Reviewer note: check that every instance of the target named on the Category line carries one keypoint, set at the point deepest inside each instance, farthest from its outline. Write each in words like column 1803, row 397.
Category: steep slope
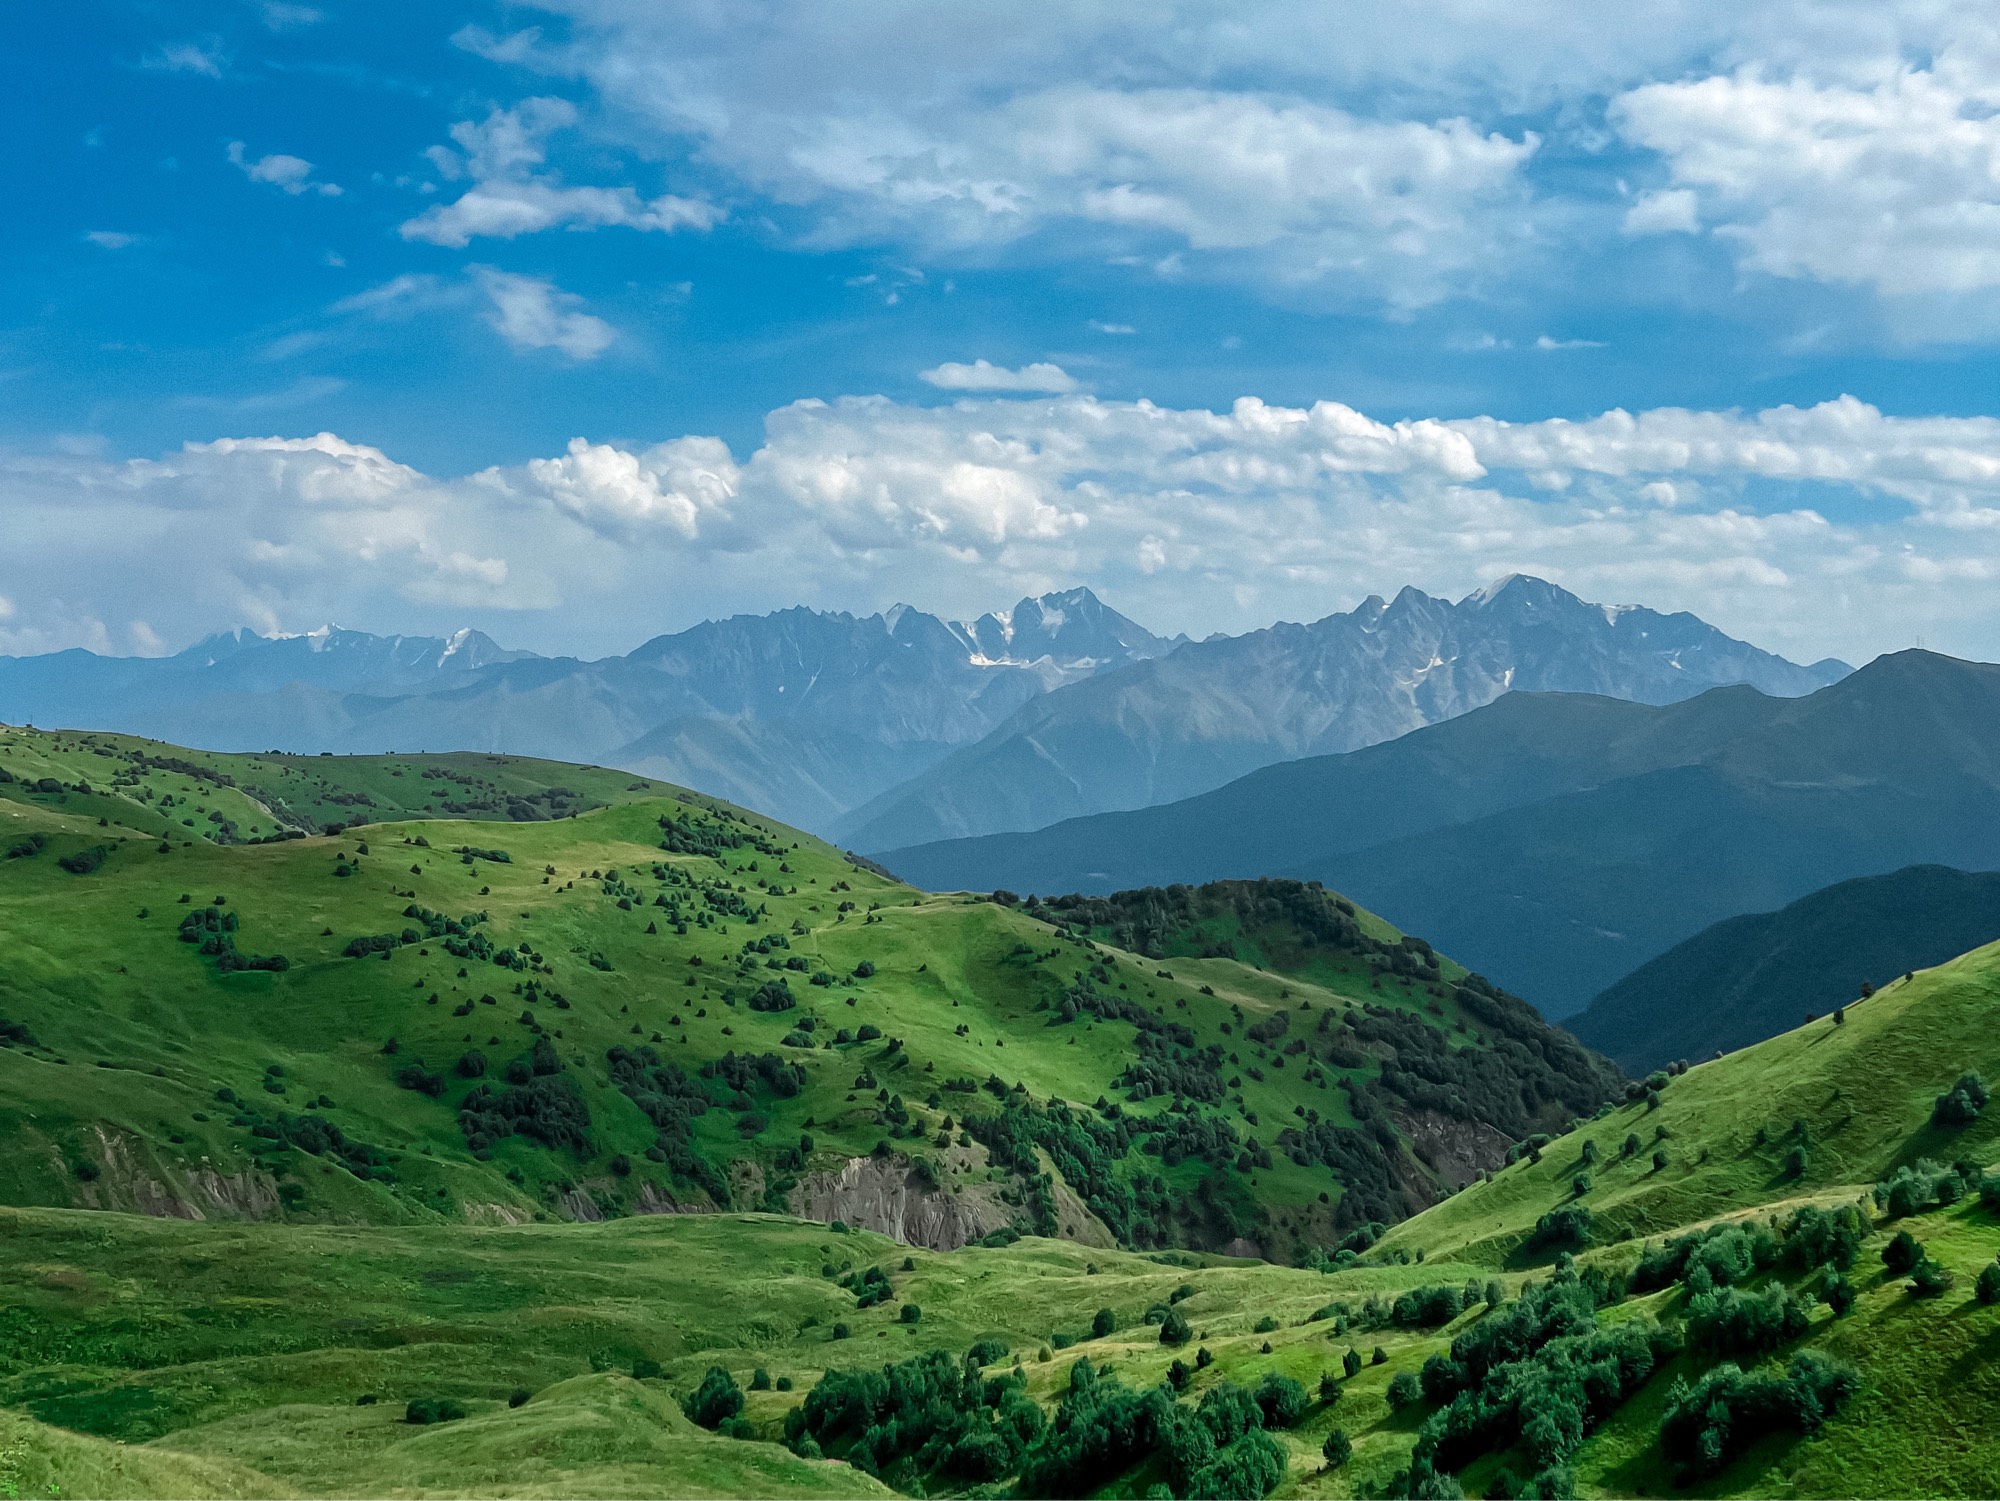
column 864, row 702
column 1556, row 844
column 1752, row 977
column 1195, row 719
column 633, row 999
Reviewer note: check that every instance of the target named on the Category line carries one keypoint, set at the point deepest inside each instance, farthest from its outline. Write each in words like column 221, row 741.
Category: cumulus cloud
column 533, row 314
column 1892, row 183
column 511, row 195
column 678, row 489
column 1189, row 519
column 981, row 375
column 292, row 174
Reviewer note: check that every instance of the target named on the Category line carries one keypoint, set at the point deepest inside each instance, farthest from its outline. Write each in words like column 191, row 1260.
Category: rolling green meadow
column 1122, row 1162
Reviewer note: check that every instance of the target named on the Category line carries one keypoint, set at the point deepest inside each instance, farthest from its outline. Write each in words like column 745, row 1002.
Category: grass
column 226, row 1356
column 117, row 1108
column 251, row 1342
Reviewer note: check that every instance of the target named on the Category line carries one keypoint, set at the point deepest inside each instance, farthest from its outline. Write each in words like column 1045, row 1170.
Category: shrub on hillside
column 1565, row 1228
column 1960, row 1105
column 82, row 862
column 717, row 1397
column 424, row 1410
column 1902, row 1253
column 1281, row 1399
column 1930, row 1280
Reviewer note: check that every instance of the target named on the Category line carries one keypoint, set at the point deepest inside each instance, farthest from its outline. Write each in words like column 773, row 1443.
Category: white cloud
column 291, row 173
column 282, row 15
column 510, row 196
column 204, row 58
column 533, row 314
column 672, row 489
column 109, row 239
column 1111, row 328
column 1547, row 343
column 1188, row 519
column 1664, row 212
column 981, row 375
column 1892, row 182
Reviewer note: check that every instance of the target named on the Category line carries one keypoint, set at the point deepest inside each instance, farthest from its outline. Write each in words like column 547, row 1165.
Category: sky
column 586, row 320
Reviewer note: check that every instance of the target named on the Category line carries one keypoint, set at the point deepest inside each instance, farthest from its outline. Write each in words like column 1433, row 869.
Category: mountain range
column 898, row 728
column 802, row 713
column 1557, row 841
column 1198, row 717
column 1751, row 977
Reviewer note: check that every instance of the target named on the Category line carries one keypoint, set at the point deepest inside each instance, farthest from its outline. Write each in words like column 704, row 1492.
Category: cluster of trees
column 1924, row 1184
column 1528, row 1075
column 672, row 1101
column 1090, row 1150
column 935, row 1415
column 716, row 1401
column 1711, row 1421
column 711, row 833
column 541, row 1102
column 1370, row 1189
column 1158, row 920
column 316, row 1137
column 773, row 995
column 1567, row 1227
column 1541, row 1372
column 213, row 930
column 742, row 1072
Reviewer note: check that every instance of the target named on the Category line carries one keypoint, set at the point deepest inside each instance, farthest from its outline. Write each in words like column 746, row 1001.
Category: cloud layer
column 1833, row 528
column 1388, row 159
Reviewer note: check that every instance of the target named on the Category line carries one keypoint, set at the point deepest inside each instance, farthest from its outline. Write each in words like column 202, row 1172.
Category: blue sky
column 553, row 280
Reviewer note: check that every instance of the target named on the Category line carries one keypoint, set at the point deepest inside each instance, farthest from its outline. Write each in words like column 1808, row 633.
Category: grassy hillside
column 1754, row 976
column 216, row 1349
column 1534, row 1330
column 658, row 1001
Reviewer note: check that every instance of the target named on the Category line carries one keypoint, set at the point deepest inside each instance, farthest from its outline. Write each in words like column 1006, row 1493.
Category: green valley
column 626, row 1143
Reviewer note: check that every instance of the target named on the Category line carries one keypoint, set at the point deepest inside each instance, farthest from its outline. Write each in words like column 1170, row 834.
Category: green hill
column 1751, row 977
column 1593, row 1319
column 656, row 1001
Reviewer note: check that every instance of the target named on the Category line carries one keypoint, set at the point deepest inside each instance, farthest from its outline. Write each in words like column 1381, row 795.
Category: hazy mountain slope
column 797, row 770
column 1178, row 725
column 1557, row 845
column 877, row 697
column 1522, row 748
column 1754, row 976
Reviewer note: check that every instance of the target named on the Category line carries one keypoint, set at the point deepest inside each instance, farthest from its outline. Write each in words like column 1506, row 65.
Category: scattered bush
column 717, row 1397
column 1902, row 1253
column 1960, row 1105
column 432, row 1410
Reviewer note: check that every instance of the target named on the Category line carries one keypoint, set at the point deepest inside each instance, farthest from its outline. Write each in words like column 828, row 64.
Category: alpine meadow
column 560, row 938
